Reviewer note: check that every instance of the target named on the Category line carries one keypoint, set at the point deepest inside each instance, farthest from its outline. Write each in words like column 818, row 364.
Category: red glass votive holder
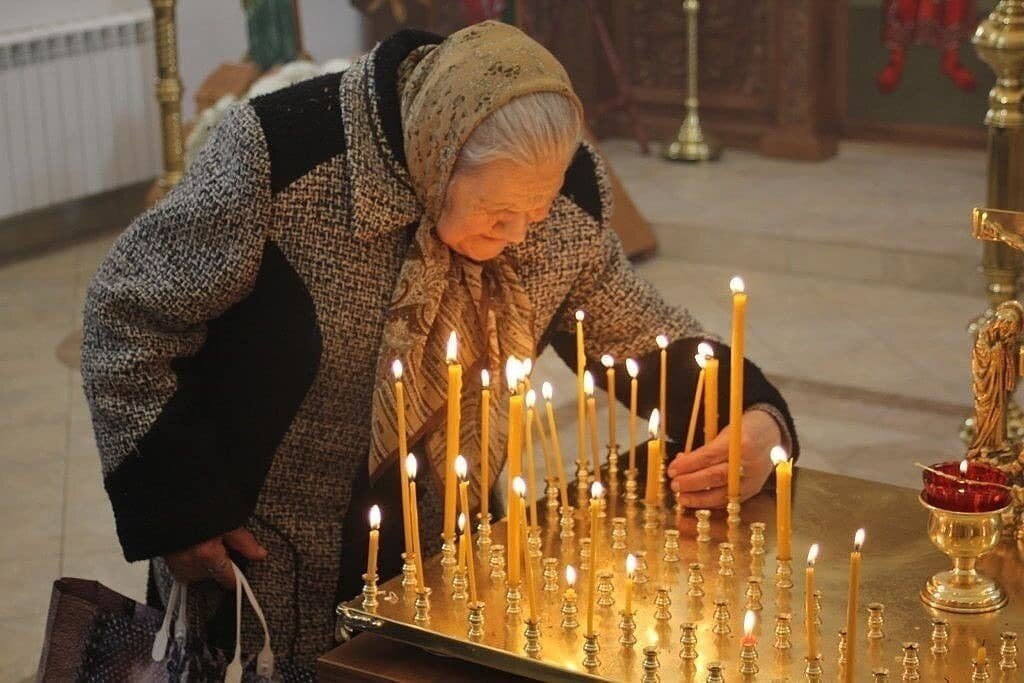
column 978, row 491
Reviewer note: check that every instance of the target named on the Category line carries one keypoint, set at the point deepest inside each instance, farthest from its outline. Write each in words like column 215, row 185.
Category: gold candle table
column 898, row 561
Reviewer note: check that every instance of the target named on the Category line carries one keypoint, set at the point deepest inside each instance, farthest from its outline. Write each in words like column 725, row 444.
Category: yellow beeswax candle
column 609, row 373
column 595, row 449
column 812, row 627
column 783, row 501
column 531, row 585
column 403, row 448
column 414, row 518
column 513, row 370
column 853, row 595
column 563, row 483
column 596, row 491
column 653, row 460
column 371, row 557
column 462, row 471
column 701, row 360
column 739, row 309
column 581, row 399
column 452, row 434
column 485, row 444
column 531, row 465
column 630, row 575
column 662, row 342
column 710, row 398
column 632, row 369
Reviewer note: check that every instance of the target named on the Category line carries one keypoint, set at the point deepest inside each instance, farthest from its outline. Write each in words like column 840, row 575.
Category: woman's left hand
column 701, row 477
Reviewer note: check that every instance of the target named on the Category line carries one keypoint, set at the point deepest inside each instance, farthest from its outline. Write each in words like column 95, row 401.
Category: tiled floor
column 877, row 376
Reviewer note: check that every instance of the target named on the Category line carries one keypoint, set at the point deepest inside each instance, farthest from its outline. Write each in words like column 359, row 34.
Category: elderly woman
column 239, row 335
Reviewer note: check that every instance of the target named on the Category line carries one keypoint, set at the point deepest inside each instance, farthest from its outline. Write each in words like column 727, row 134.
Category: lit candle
column 710, row 398
column 513, row 371
column 452, row 434
column 783, row 501
column 581, row 399
column 812, row 627
column 739, row 308
column 485, row 444
column 403, row 447
column 662, row 342
column 414, row 518
column 982, row 657
column 527, row 368
column 570, row 583
column 609, row 372
column 653, row 460
column 749, row 621
column 632, row 369
column 462, row 541
column 630, row 575
column 531, row 466
column 701, row 359
column 531, row 587
column 563, row 484
column 588, row 389
column 371, row 557
column 596, row 491
column 851, row 606
column 462, row 471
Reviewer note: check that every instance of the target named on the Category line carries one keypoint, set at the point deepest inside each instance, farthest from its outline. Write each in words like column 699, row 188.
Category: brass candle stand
column 532, row 635
column 476, row 619
column 370, row 602
column 483, row 532
column 408, row 570
column 447, row 552
column 627, row 629
column 1007, row 651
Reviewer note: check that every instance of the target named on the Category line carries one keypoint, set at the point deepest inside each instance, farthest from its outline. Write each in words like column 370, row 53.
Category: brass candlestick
column 513, row 600
column 979, row 672
column 688, row 642
column 876, row 619
column 841, row 659
column 721, row 618
column 497, row 562
column 652, row 516
column 813, row 670
column 370, row 592
column 570, row 611
column 1008, row 651
column 940, row 637
column 550, row 574
column 613, row 463
column 605, row 589
column 703, row 525
column 662, row 602
column 618, row 533
column 483, row 531
column 552, row 494
column 476, row 619
column 627, row 629
column 671, row 548
column 642, row 575
column 567, row 522
column 422, row 604
column 695, row 582
column 725, row 559
column 783, row 574
column 754, row 594
column 533, row 542
column 448, row 552
column 532, row 633
column 715, row 673
column 460, row 581
column 631, row 496
column 965, row 537
column 590, row 650
column 691, row 144
column 783, row 631
column 911, row 662
column 748, row 658
column 757, row 538
column 168, row 93
column 408, row 570
column 732, row 512
column 585, row 554
column 650, row 665
column 880, row 675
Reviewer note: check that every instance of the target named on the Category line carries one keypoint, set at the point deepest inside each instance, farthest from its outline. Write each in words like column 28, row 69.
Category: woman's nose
column 514, row 229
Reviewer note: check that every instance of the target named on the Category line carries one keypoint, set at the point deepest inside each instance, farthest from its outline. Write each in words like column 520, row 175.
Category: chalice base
column 946, row 592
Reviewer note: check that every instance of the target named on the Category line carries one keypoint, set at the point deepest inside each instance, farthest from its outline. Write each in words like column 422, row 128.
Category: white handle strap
column 265, row 659
column 160, row 640
column 233, row 674
column 181, row 623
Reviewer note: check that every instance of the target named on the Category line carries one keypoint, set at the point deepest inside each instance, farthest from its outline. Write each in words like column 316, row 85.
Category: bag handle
column 265, row 659
column 159, row 650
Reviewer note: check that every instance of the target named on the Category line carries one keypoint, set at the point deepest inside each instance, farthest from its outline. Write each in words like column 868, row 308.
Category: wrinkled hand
column 701, row 477
column 209, row 559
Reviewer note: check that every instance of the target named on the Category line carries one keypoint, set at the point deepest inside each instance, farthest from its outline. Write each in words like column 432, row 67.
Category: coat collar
column 381, row 196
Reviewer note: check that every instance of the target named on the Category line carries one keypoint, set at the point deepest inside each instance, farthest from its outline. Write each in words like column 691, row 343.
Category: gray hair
column 530, row 130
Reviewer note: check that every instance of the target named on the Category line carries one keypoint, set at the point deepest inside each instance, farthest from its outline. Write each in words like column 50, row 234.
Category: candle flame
column 779, row 455
column 858, row 540
column 519, row 486
column 662, row 341
column 632, row 368
column 736, row 285
column 410, row 466
column 513, row 368
column 531, row 399
column 579, row 316
column 396, row 368
column 485, row 379
column 654, row 424
column 596, row 490
column 630, row 565
column 462, row 522
column 607, row 361
column 452, row 351
column 963, row 467
column 812, row 554
column 527, row 368
column 749, row 619
column 547, row 390
column 588, row 383
column 375, row 517
column 701, row 359
column 570, row 575
column 461, row 466
column 706, row 349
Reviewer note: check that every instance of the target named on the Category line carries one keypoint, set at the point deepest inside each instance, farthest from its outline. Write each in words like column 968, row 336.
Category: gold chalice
column 965, row 537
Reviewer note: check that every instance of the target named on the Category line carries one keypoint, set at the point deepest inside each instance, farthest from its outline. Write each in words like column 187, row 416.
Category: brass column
column 168, row 92
column 691, row 144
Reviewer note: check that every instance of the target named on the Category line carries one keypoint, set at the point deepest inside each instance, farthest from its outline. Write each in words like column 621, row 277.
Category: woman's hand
column 701, row 477
column 209, row 559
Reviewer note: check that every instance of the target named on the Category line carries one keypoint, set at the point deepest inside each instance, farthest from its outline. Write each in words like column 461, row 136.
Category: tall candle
column 485, row 444
column 403, row 448
column 609, row 372
column 515, row 468
column 630, row 576
column 853, row 595
column 588, row 389
column 749, row 621
column 531, row 585
column 570, row 582
column 710, row 398
column 739, row 309
column 524, row 375
column 531, row 466
column 662, row 342
column 812, row 627
column 414, row 518
column 371, row 557
column 783, row 501
column 691, row 430
column 563, row 483
column 581, row 399
column 596, row 491
column 632, row 369
column 545, row 446
column 462, row 471
column 461, row 559
column 653, row 460
column 452, row 434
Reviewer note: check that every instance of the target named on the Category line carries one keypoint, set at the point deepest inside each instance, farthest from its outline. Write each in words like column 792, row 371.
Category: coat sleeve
column 178, row 266
column 623, row 315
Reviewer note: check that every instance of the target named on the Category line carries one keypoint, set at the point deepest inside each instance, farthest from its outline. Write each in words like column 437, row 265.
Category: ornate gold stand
column 168, row 94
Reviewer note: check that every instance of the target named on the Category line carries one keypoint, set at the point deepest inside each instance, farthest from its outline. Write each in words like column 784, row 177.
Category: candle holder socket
column 408, row 570
column 671, row 548
column 605, row 589
column 497, row 562
column 585, row 544
column 460, row 581
column 631, row 496
column 650, row 666
column 695, row 582
column 448, row 552
column 570, row 611
column 748, row 659
column 703, row 525
column 551, row 494
column 757, row 538
column 590, row 650
column 370, row 603
column 880, row 675
column 876, row 620
column 783, row 631
column 627, row 629
column 513, row 600
column 476, row 619
column 715, row 673
column 1008, row 651
column 550, row 574
column 726, row 560
column 841, row 659
column 979, row 672
column 754, row 594
column 483, row 531
column 422, row 604
column 940, row 637
column 688, row 642
column 533, row 543
column 721, row 625
column 642, row 574
column 783, row 573
column 652, row 516
column 618, row 533
column 813, row 671
column 613, row 462
column 662, row 602
column 732, row 512
column 532, row 634
column 911, row 662
column 567, row 522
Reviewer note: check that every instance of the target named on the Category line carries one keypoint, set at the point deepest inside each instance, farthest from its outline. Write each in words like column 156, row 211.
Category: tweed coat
column 231, row 338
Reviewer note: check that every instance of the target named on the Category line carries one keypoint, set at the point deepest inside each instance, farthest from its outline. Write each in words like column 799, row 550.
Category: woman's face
column 492, row 206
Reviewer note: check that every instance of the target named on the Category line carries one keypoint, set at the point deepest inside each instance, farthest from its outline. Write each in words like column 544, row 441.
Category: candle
column 513, row 371
column 461, row 559
column 563, row 484
column 570, row 583
column 710, row 398
column 609, row 372
column 485, row 444
column 653, row 460
column 527, row 368
column 812, row 627
column 371, row 557
column 462, row 471
column 851, row 606
column 581, row 401
column 630, row 575
column 662, row 342
column 545, row 446
column 588, row 389
column 531, row 586
column 414, row 518
column 749, row 621
column 452, row 434
column 596, row 491
column 632, row 369
column 531, row 466
column 701, row 360
column 403, row 447
column 783, row 501
column 739, row 308
column 982, row 657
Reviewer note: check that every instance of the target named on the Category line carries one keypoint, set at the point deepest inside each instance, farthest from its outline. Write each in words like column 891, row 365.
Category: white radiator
column 78, row 113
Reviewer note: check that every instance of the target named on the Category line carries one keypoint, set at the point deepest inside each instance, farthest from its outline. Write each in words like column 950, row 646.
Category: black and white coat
column 231, row 337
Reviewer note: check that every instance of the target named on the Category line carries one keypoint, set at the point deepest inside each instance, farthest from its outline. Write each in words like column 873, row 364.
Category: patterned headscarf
column 446, row 90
